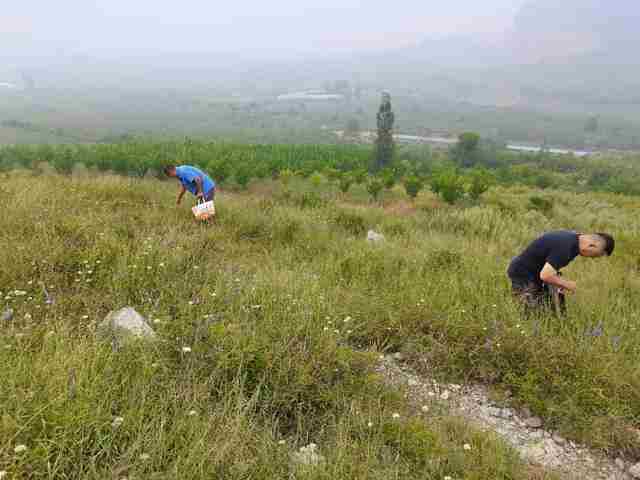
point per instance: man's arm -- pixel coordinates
(198, 181)
(181, 194)
(550, 275)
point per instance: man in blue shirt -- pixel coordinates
(193, 179)
(538, 266)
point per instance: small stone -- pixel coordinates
(412, 382)
(397, 356)
(495, 412)
(506, 413)
(534, 422)
(635, 471)
(374, 237)
(308, 456)
(7, 315)
(123, 325)
(20, 449)
(620, 464)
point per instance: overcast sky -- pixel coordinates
(272, 27)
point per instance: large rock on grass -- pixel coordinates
(124, 325)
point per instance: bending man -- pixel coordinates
(193, 179)
(538, 267)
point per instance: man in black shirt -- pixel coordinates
(535, 270)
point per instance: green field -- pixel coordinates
(260, 301)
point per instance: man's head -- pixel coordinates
(597, 245)
(170, 170)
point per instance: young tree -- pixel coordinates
(374, 187)
(466, 151)
(384, 142)
(412, 185)
(480, 180)
(346, 180)
(449, 185)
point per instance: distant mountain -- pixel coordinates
(545, 30)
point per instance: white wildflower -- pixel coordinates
(445, 395)
(282, 442)
(348, 319)
(467, 446)
(117, 422)
(186, 349)
(193, 413)
(28, 317)
(370, 424)
(145, 456)
(395, 416)
(20, 449)
(85, 317)
(3, 474)
(161, 265)
(19, 293)
(425, 408)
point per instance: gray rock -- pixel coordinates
(526, 413)
(308, 456)
(534, 422)
(7, 315)
(620, 464)
(495, 412)
(635, 471)
(375, 237)
(123, 325)
(559, 440)
(506, 413)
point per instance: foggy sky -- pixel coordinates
(257, 27)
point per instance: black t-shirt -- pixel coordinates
(556, 248)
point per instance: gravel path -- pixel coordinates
(523, 432)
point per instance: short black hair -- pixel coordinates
(609, 243)
(168, 169)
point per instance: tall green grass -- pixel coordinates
(255, 357)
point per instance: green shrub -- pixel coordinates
(412, 185)
(480, 180)
(449, 185)
(374, 187)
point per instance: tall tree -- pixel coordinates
(384, 143)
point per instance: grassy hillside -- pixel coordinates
(270, 322)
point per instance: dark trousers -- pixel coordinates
(537, 297)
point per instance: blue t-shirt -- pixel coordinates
(187, 176)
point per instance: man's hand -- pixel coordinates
(550, 275)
